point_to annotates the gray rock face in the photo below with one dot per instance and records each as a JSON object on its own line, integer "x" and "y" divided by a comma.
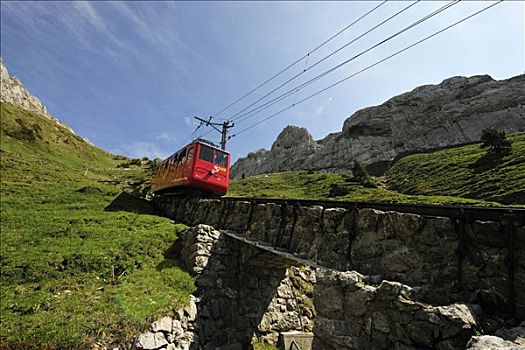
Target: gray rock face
{"x": 14, "y": 92}
{"x": 453, "y": 112}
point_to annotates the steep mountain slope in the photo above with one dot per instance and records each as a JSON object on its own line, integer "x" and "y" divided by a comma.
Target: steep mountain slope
{"x": 461, "y": 175}
{"x": 331, "y": 186}
{"x": 431, "y": 116}
{"x": 82, "y": 262}
{"x": 13, "y": 92}
{"x": 467, "y": 171}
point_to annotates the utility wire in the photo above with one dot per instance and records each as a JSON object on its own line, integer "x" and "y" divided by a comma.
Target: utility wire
{"x": 368, "y": 67}
{"x": 239, "y": 114}
{"x": 268, "y": 104}
{"x": 299, "y": 59}
{"x": 194, "y": 133}
{"x": 279, "y": 98}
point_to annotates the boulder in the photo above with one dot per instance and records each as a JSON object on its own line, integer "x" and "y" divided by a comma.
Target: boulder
{"x": 490, "y": 342}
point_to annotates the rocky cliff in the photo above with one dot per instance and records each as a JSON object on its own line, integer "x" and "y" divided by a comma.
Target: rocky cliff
{"x": 428, "y": 117}
{"x": 14, "y": 92}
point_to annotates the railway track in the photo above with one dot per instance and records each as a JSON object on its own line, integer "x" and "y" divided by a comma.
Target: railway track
{"x": 467, "y": 212}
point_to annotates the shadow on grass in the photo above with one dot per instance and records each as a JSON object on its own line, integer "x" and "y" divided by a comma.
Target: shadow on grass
{"x": 169, "y": 263}
{"x": 172, "y": 256}
{"x": 489, "y": 161}
{"x": 126, "y": 202}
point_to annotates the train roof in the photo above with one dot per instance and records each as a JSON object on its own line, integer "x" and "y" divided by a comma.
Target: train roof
{"x": 207, "y": 142}
{"x": 201, "y": 141}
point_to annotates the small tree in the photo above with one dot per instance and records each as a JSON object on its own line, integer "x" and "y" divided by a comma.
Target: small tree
{"x": 359, "y": 172}
{"x": 361, "y": 176}
{"x": 495, "y": 141}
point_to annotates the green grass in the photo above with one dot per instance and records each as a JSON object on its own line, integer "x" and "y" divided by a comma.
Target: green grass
{"x": 314, "y": 185}
{"x": 462, "y": 175}
{"x": 80, "y": 261}
{"x": 261, "y": 345}
{"x": 464, "y": 172}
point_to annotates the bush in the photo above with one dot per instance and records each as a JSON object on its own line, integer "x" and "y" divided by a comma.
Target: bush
{"x": 361, "y": 176}
{"x": 495, "y": 141}
{"x": 337, "y": 190}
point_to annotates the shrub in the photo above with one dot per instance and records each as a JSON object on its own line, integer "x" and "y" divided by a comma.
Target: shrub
{"x": 495, "y": 141}
{"x": 361, "y": 176}
{"x": 337, "y": 190}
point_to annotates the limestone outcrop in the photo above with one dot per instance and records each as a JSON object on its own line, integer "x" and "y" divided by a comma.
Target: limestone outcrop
{"x": 14, "y": 92}
{"x": 453, "y": 112}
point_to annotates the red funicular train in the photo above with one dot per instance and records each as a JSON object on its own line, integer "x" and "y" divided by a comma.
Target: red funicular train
{"x": 201, "y": 166}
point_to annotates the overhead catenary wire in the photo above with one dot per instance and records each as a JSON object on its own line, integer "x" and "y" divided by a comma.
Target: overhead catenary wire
{"x": 369, "y": 67}
{"x": 281, "y": 97}
{"x": 239, "y": 113}
{"x": 190, "y": 136}
{"x": 299, "y": 59}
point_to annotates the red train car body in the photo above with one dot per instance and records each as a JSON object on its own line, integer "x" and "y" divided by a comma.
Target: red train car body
{"x": 200, "y": 166}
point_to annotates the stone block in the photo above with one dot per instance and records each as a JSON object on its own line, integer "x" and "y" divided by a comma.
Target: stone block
{"x": 150, "y": 341}
{"x": 162, "y": 325}
{"x": 295, "y": 340}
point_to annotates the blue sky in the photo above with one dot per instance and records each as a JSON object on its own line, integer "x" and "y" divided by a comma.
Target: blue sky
{"x": 131, "y": 75}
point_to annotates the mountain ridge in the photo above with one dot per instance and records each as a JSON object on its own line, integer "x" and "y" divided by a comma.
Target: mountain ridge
{"x": 15, "y": 93}
{"x": 453, "y": 112}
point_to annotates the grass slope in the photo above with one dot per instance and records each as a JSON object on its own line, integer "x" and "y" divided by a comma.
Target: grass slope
{"x": 464, "y": 172}
{"x": 313, "y": 185}
{"x": 81, "y": 262}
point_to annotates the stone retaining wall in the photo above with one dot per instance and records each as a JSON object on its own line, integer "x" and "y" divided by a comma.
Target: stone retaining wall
{"x": 446, "y": 262}
{"x": 243, "y": 292}
{"x": 246, "y": 292}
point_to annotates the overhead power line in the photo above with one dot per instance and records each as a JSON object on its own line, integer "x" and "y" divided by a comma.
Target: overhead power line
{"x": 194, "y": 133}
{"x": 299, "y": 59}
{"x": 239, "y": 113}
{"x": 284, "y": 95}
{"x": 370, "y": 66}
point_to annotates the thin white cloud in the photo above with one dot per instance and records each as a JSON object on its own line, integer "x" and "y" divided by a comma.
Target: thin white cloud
{"x": 153, "y": 28}
{"x": 166, "y": 137}
{"x": 189, "y": 121}
{"x": 141, "y": 149}
{"x": 319, "y": 111}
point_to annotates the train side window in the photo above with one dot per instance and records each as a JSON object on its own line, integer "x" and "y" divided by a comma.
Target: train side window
{"x": 221, "y": 159}
{"x": 190, "y": 153}
{"x": 206, "y": 154}
{"x": 183, "y": 155}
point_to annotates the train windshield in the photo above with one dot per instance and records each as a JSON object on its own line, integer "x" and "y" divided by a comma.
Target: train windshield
{"x": 221, "y": 159}
{"x": 206, "y": 154}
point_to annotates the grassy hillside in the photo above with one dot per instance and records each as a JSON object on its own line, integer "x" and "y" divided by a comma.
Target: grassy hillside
{"x": 464, "y": 172}
{"x": 312, "y": 185}
{"x": 81, "y": 262}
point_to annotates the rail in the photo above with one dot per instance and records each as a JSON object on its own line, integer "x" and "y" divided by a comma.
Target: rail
{"x": 453, "y": 211}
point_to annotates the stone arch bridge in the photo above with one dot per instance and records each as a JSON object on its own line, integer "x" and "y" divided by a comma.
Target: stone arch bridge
{"x": 429, "y": 277}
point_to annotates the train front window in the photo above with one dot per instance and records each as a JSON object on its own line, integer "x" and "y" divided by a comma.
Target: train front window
{"x": 221, "y": 159}
{"x": 206, "y": 154}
